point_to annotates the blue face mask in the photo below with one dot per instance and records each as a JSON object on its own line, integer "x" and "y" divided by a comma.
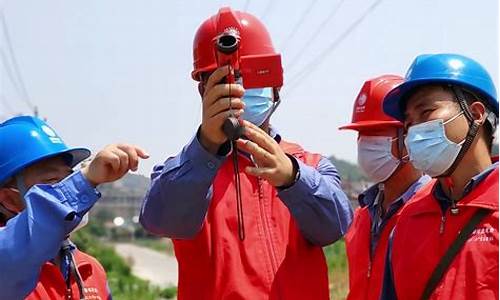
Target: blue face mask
{"x": 429, "y": 149}
{"x": 258, "y": 105}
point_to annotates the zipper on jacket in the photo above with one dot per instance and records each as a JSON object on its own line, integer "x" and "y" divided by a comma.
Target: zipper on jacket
{"x": 369, "y": 273}
{"x": 441, "y": 226}
{"x": 266, "y": 228}
{"x": 370, "y": 263}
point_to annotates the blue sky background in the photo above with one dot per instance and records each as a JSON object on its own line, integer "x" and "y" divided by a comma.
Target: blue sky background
{"x": 119, "y": 70}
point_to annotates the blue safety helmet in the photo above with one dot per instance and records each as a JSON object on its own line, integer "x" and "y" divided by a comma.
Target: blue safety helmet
{"x": 26, "y": 140}
{"x": 442, "y": 69}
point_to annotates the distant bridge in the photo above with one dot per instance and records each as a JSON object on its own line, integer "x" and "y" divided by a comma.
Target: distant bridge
{"x": 124, "y": 206}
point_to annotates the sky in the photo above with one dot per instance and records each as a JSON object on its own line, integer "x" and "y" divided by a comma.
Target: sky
{"x": 119, "y": 70}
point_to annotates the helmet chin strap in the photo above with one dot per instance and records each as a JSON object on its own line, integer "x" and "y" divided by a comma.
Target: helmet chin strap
{"x": 276, "y": 103}
{"x": 21, "y": 187}
{"x": 401, "y": 144}
{"x": 402, "y": 158}
{"x": 474, "y": 126}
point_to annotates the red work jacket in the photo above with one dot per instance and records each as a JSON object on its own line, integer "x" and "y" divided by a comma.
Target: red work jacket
{"x": 423, "y": 234}
{"x": 274, "y": 261}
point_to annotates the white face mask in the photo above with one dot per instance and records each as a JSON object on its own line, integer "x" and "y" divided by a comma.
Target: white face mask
{"x": 375, "y": 157}
{"x": 430, "y": 149}
{"x": 83, "y": 222}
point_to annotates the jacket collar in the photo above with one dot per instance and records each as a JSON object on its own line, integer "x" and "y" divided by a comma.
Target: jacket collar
{"x": 484, "y": 195}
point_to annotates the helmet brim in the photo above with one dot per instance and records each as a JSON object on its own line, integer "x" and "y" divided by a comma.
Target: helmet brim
{"x": 195, "y": 74}
{"x": 395, "y": 101}
{"x": 77, "y": 155}
{"x": 365, "y": 125}
{"x": 72, "y": 156}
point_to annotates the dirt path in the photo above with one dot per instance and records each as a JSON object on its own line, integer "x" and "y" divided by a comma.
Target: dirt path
{"x": 160, "y": 269}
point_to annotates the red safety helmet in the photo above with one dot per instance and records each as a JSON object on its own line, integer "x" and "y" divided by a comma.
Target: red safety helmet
{"x": 255, "y": 39}
{"x": 368, "y": 112}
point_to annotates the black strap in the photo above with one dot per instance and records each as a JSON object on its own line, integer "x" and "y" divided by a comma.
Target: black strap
{"x": 239, "y": 200}
{"x": 452, "y": 251}
{"x": 462, "y": 101}
{"x": 401, "y": 142}
{"x": 78, "y": 277}
{"x": 72, "y": 270}
{"x": 471, "y": 134}
{"x": 469, "y": 139}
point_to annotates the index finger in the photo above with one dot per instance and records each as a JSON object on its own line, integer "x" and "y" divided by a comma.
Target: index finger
{"x": 138, "y": 150}
{"x": 141, "y": 152}
{"x": 131, "y": 160}
{"x": 133, "y": 153}
{"x": 259, "y": 136}
{"x": 259, "y": 154}
{"x": 251, "y": 125}
{"x": 216, "y": 77}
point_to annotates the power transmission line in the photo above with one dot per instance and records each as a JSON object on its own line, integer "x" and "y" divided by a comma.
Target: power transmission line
{"x": 9, "y": 71}
{"x": 10, "y": 50}
{"x": 309, "y": 68}
{"x": 14, "y": 74}
{"x": 299, "y": 22}
{"x": 267, "y": 10}
{"x": 247, "y": 4}
{"x": 313, "y": 36}
{"x": 8, "y": 110}
{"x": 6, "y": 105}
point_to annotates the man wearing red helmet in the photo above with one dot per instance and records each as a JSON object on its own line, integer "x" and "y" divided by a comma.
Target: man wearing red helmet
{"x": 291, "y": 199}
{"x": 382, "y": 156}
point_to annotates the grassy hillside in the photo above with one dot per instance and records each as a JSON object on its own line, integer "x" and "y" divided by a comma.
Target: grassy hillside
{"x": 348, "y": 171}
{"x": 338, "y": 275}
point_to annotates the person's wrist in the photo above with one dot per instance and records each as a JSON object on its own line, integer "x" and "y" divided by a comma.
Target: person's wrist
{"x": 85, "y": 173}
{"x": 209, "y": 145}
{"x": 294, "y": 176}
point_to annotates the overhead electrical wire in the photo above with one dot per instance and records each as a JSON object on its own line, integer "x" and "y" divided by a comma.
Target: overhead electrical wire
{"x": 14, "y": 72}
{"x": 247, "y": 4}
{"x": 295, "y": 28}
{"x": 267, "y": 9}
{"x": 313, "y": 36}
{"x": 300, "y": 76}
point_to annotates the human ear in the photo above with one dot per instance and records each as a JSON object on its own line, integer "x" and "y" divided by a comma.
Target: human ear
{"x": 478, "y": 111}
{"x": 201, "y": 88}
{"x": 10, "y": 199}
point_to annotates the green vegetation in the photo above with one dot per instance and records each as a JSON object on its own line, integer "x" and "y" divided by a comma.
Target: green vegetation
{"x": 123, "y": 284}
{"x": 348, "y": 171}
{"x": 338, "y": 274}
{"x": 161, "y": 245}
